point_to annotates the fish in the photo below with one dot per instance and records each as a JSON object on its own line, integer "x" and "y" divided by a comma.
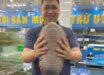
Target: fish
{"x": 50, "y": 63}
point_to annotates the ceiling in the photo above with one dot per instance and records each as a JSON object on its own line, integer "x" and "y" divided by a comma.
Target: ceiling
{"x": 89, "y": 4}
{"x": 18, "y": 5}
{"x": 32, "y": 5}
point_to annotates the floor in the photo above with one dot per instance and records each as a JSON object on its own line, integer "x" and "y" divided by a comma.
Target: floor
{"x": 87, "y": 71}
{"x": 82, "y": 69}
{"x": 14, "y": 64}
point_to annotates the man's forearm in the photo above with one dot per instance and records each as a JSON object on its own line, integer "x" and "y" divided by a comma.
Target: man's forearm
{"x": 28, "y": 55}
{"x": 75, "y": 54}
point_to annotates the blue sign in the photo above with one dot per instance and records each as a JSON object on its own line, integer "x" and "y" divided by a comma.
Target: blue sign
{"x": 95, "y": 54}
{"x": 21, "y": 19}
{"x": 88, "y": 18}
{"x": 80, "y": 19}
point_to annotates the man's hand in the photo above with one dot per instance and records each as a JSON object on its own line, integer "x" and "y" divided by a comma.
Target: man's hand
{"x": 30, "y": 55}
{"x": 38, "y": 47}
{"x": 65, "y": 50}
{"x": 68, "y": 53}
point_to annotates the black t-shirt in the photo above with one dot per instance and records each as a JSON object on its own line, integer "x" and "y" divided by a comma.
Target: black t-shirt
{"x": 31, "y": 38}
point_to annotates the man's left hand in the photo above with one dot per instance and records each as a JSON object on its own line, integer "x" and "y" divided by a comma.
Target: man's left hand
{"x": 65, "y": 50}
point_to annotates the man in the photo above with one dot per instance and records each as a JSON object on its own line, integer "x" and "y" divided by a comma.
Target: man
{"x": 33, "y": 45}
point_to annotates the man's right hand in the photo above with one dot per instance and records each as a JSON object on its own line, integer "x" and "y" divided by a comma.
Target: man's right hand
{"x": 39, "y": 48}
{"x": 29, "y": 55}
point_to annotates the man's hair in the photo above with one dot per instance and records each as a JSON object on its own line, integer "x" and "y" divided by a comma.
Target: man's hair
{"x": 43, "y": 1}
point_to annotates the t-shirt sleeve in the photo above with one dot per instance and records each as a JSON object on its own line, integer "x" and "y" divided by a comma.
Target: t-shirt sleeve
{"x": 30, "y": 39}
{"x": 72, "y": 38}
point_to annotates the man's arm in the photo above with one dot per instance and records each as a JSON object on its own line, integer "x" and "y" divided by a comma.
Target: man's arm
{"x": 29, "y": 55}
{"x": 75, "y": 54}
{"x": 68, "y": 53}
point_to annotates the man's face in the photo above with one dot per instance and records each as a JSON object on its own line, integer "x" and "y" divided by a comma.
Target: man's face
{"x": 50, "y": 10}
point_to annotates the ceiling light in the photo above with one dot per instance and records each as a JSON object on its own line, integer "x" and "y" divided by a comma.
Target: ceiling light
{"x": 37, "y": 11}
{"x": 15, "y": 5}
{"x": 34, "y": 9}
{"x": 96, "y": 8}
{"x": 66, "y": 10}
{"x": 11, "y": 0}
{"x": 93, "y": 2}
{"x": 24, "y": 4}
{"x": 2, "y": 11}
{"x": 74, "y": 9}
{"x": 67, "y": 2}
{"x": 32, "y": 14}
{"x": 17, "y": 10}
{"x": 28, "y": 13}
{"x": 103, "y": 12}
